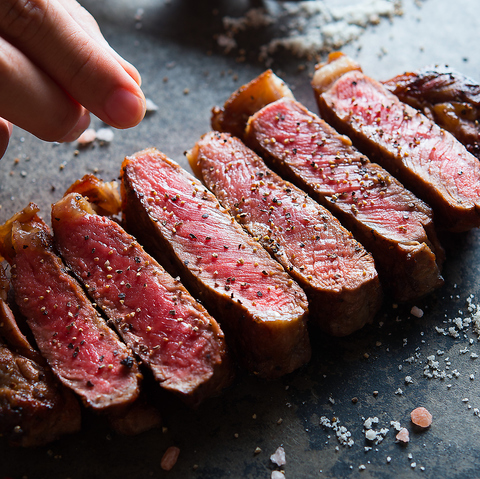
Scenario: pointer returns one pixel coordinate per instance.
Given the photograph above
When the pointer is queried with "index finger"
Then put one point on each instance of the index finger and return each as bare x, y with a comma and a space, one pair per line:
86, 69
89, 24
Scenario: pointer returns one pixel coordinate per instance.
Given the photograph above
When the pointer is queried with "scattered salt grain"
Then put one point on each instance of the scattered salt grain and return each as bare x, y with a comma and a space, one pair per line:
105, 135
369, 422
344, 436
416, 311
226, 42
277, 475
87, 137
395, 425
170, 457
150, 106
403, 435
308, 28
278, 457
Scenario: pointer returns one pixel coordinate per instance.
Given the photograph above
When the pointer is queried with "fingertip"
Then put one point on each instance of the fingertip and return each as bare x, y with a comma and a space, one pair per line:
124, 108
5, 134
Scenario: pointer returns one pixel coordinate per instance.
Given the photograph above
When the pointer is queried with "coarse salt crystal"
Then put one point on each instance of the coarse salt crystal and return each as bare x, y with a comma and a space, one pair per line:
150, 106
87, 137
105, 135
278, 457
416, 311
170, 457
368, 424
403, 435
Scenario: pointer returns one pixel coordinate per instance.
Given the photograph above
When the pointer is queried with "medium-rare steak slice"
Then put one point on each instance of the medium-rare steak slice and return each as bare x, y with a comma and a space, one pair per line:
155, 315
425, 158
446, 96
393, 224
334, 270
261, 309
35, 408
83, 352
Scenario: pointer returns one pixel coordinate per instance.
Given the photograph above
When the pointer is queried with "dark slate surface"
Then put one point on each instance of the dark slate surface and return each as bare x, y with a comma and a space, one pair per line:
175, 51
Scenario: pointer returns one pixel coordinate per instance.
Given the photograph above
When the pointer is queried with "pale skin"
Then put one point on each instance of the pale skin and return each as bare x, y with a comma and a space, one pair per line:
56, 68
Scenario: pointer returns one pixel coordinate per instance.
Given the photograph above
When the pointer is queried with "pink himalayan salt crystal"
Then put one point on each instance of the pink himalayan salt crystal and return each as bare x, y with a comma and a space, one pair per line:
87, 137
421, 417
403, 435
170, 457
278, 457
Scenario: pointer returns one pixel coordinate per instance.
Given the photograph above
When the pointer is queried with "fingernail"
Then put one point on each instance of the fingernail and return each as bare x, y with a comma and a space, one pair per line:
124, 108
78, 129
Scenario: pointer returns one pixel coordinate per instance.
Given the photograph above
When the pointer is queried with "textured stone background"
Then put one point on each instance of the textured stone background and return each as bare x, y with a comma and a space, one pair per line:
176, 53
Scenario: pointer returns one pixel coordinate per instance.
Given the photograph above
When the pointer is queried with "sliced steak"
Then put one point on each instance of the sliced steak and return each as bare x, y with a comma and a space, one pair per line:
393, 224
35, 408
262, 310
248, 99
446, 96
334, 270
104, 197
155, 315
83, 352
425, 158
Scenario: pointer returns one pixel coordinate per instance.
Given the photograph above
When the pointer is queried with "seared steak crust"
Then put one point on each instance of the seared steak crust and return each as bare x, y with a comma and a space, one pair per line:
446, 96
155, 315
392, 223
334, 270
35, 408
83, 352
248, 99
425, 158
262, 310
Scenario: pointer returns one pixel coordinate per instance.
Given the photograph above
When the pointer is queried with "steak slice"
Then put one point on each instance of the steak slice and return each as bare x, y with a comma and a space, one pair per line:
262, 310
248, 99
334, 270
393, 224
155, 315
446, 96
425, 158
83, 352
35, 408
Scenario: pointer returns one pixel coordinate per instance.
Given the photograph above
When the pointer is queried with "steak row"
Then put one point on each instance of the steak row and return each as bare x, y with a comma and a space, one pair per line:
288, 225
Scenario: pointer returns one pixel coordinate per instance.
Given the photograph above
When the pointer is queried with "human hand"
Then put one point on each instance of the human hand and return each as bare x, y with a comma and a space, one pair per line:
56, 67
